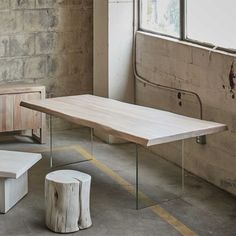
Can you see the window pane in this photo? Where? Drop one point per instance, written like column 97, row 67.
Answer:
column 212, row 21
column 162, row 16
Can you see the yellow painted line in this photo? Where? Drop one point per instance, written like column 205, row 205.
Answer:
column 46, row 149
column 158, row 210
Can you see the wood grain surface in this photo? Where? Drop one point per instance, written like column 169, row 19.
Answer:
column 13, row 117
column 138, row 124
column 14, row 164
column 14, row 88
column 67, row 198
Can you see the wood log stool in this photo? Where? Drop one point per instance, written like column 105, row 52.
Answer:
column 67, row 195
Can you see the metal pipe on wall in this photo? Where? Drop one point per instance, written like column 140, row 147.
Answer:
column 136, row 10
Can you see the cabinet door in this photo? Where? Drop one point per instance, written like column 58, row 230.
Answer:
column 6, row 113
column 25, row 118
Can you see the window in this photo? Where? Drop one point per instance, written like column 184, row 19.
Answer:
column 162, row 16
column 213, row 23
column 206, row 21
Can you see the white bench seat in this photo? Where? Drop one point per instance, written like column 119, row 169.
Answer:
column 14, row 168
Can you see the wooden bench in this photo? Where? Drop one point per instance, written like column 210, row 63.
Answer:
column 14, row 176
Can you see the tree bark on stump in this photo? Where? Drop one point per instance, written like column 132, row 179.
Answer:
column 67, row 195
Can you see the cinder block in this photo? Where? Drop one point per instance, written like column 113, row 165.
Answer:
column 58, row 65
column 16, row 69
column 47, row 3
column 35, row 67
column 4, row 70
column 4, row 4
column 11, row 21
column 40, row 20
column 22, row 4
column 4, row 46
column 22, row 45
column 49, row 42
column 64, row 3
column 11, row 69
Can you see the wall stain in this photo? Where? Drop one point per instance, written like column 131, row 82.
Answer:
column 232, row 76
column 179, row 96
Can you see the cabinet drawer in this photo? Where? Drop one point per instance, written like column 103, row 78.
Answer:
column 24, row 118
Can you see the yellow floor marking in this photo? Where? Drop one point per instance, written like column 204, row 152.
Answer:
column 158, row 210
column 46, row 149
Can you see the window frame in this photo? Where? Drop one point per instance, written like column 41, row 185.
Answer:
column 154, row 32
column 183, row 24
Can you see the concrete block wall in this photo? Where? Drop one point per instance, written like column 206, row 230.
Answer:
column 206, row 72
column 48, row 42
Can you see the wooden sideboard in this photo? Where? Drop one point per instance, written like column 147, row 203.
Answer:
column 13, row 117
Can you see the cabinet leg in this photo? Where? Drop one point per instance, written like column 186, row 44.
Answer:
column 40, row 137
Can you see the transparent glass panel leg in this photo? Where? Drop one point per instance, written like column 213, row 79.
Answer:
column 137, row 177
column 183, row 171
column 50, row 141
column 91, row 141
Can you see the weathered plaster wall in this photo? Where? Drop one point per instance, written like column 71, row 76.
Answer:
column 48, row 42
column 194, row 68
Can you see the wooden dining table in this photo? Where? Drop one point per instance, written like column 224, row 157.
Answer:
column 138, row 124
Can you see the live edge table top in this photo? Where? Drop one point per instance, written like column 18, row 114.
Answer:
column 138, row 124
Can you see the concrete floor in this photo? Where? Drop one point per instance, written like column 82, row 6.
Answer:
column 202, row 210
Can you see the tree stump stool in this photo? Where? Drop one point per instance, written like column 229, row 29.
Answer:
column 67, row 195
